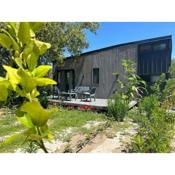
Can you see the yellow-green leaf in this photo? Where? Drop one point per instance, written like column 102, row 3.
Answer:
column 24, row 32
column 26, row 121
column 36, row 25
column 3, row 89
column 13, row 27
column 41, row 47
column 19, row 62
column 41, row 71
column 27, row 82
column 5, row 41
column 13, row 43
column 38, row 114
column 46, row 132
column 12, row 75
column 45, row 81
column 35, row 93
column 32, row 61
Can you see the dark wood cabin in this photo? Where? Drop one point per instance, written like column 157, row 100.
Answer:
column 96, row 68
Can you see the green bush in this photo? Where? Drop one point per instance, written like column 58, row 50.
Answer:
column 154, row 134
column 148, row 105
column 117, row 107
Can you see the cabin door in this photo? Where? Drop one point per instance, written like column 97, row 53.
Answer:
column 67, row 78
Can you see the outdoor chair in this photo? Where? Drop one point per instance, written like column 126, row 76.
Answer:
column 90, row 94
column 79, row 90
column 55, row 93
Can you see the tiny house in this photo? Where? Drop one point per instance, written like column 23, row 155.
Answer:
column 96, row 68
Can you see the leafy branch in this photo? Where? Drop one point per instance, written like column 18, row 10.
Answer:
column 24, row 78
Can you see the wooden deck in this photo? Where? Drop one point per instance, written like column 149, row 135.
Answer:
column 98, row 104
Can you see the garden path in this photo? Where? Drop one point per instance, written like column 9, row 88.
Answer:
column 102, row 144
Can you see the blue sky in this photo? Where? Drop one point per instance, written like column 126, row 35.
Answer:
column 112, row 33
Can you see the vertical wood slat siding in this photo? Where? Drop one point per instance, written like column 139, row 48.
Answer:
column 154, row 61
column 108, row 62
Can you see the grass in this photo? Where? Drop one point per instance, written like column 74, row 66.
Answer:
column 117, row 127
column 13, row 142
column 61, row 120
column 8, row 123
column 73, row 118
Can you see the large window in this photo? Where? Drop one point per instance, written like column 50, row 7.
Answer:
column 161, row 46
column 145, row 48
column 95, row 76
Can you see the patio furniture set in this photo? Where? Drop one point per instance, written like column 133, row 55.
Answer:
column 84, row 93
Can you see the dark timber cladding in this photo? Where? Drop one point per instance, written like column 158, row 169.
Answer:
column 96, row 68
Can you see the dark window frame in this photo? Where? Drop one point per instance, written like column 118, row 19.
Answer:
column 97, row 81
column 160, row 46
column 146, row 48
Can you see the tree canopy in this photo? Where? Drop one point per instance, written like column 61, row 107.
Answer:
column 69, row 37
column 65, row 37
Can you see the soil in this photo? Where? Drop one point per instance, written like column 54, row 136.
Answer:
column 102, row 144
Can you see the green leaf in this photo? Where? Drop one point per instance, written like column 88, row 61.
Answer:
column 5, row 41
column 35, row 93
column 2, row 79
column 13, row 27
column 38, row 114
column 46, row 132
column 3, row 89
column 41, row 47
column 22, row 93
column 19, row 62
column 24, row 32
column 8, row 40
column 32, row 61
column 27, row 82
column 26, row 121
column 45, row 81
column 36, row 25
column 12, row 75
column 28, row 50
column 11, row 138
column 41, row 71
column 32, row 135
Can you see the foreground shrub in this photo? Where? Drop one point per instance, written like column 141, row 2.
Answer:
column 25, row 77
column 117, row 107
column 155, row 132
column 148, row 105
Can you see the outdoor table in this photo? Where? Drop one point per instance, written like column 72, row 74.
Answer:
column 68, row 95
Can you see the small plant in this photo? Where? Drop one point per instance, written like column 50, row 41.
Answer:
column 68, row 149
column 67, row 138
column 154, row 134
column 158, row 87
column 148, row 104
column 117, row 107
column 132, row 86
column 32, row 147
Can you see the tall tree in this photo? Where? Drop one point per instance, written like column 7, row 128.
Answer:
column 69, row 37
column 64, row 37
